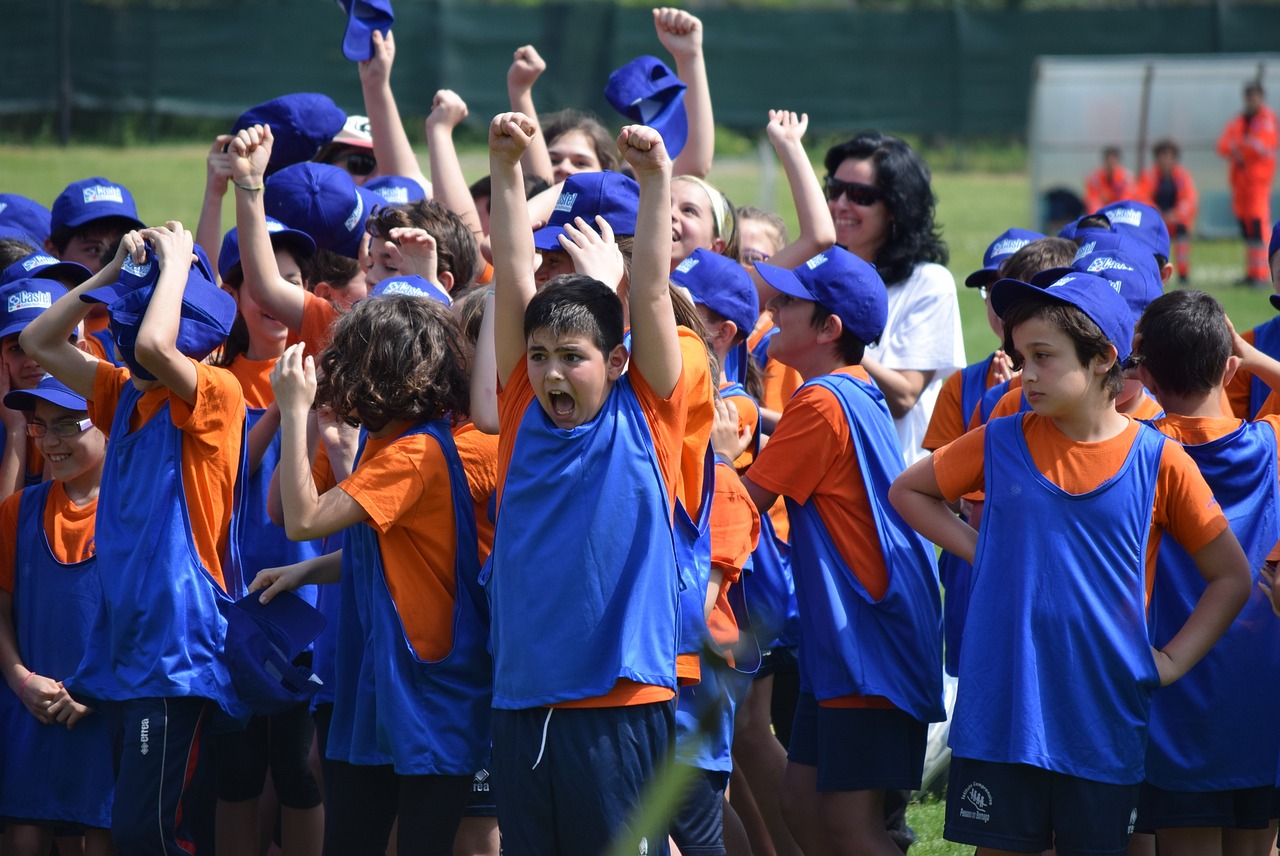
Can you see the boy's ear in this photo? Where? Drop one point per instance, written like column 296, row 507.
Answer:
column 830, row 330
column 323, row 290
column 616, row 361
column 446, row 279
column 1102, row 363
column 1166, row 273
column 1233, row 365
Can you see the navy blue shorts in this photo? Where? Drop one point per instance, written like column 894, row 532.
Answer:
column 1030, row 809
column 484, row 796
column 1242, row 808
column 571, row 777
column 858, row 749
column 698, row 826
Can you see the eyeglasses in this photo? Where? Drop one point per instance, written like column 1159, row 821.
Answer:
column 983, row 291
column 858, row 193
column 750, row 257
column 66, row 428
column 356, row 163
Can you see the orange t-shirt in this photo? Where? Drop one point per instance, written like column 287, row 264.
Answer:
column 68, row 528
column 254, row 377
column 212, row 428
column 1184, row 505
column 735, row 529
column 947, row 422
column 665, row 418
column 318, row 316
column 811, row 456
column 479, row 454
column 402, row 483
column 1144, row 407
column 748, row 419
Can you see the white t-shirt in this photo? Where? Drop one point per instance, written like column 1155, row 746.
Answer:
column 922, row 333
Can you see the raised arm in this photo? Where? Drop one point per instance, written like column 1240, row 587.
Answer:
column 484, row 374
column 681, row 33
column 250, row 151
column 526, row 67
column 655, row 344
column 156, row 347
column 391, row 146
column 217, row 177
column 451, row 191
column 511, row 236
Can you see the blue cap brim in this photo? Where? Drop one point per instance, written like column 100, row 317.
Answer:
column 25, row 399
column 1006, row 292
column 979, row 278
column 784, row 280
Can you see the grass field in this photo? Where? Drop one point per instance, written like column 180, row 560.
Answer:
column 973, row 208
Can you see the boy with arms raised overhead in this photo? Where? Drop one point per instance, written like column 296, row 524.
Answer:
column 579, row 729
column 1056, row 672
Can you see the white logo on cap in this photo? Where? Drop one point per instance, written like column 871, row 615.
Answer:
column 38, row 261
column 3, row 205
column 687, row 265
column 565, row 203
column 1127, row 216
column 275, row 226
column 394, row 195
column 1008, row 246
column 1084, row 250
column 1063, row 281
column 103, row 193
column 29, row 300
column 819, row 259
column 351, row 222
column 401, row 287
column 1105, row 263
column 132, row 267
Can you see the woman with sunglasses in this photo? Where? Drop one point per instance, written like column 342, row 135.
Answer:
column 880, row 198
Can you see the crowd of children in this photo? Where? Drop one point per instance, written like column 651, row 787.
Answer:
column 579, row 511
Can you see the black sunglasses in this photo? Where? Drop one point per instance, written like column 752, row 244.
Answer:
column 356, row 163
column 858, row 193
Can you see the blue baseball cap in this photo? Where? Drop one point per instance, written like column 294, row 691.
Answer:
column 1274, row 244
column 297, row 243
column 1093, row 295
column 999, row 251
column 363, row 17
column 410, row 286
column 396, row 189
column 300, row 124
column 720, row 284
column 22, row 300
column 1134, row 275
column 24, row 219
column 646, row 91
column 45, row 266
column 49, row 389
column 842, row 283
column 93, row 199
column 1139, row 221
column 132, row 277
column 324, row 202
column 263, row 640
column 612, row 195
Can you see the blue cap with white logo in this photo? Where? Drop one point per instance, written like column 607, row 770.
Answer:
column 22, row 300
column 324, row 202
column 1095, row 296
column 93, row 199
column 45, row 266
column 410, row 286
column 722, row 285
column 297, row 243
column 612, row 195
column 842, row 283
column 998, row 252
column 1139, row 221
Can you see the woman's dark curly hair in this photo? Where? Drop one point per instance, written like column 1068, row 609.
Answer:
column 394, row 358
column 903, row 179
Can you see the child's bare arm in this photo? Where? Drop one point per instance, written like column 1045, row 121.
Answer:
column 655, row 344
column 156, row 347
column 918, row 498
column 681, row 33
column 1225, row 568
column 250, row 151
column 314, row 571
column 526, row 67
column 451, row 191
column 484, row 374
column 217, row 176
column 1252, row 360
column 307, row 513
column 817, row 229
column 511, row 235
column 391, row 146
column 48, row 338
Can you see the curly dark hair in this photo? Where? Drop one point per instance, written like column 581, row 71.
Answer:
column 903, row 179
column 456, row 250
column 395, row 358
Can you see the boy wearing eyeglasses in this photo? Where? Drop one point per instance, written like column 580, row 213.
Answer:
column 57, row 776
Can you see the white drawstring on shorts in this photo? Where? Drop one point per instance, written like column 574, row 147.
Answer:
column 543, row 746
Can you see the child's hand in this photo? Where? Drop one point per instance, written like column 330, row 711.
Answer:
column 75, row 712
column 728, row 437
column 594, row 254
column 218, row 166
column 679, row 31
column 293, row 380
column 38, row 694
column 172, row 245
column 641, row 146
column 132, row 246
column 509, row 135
column 447, row 110
column 1165, row 667
column 272, row 581
column 526, row 67
column 341, row 439
column 1240, row 347
column 376, row 70
column 14, row 421
column 249, row 153
column 1001, row 366
column 1267, row 582
column 785, row 127
column 413, row 252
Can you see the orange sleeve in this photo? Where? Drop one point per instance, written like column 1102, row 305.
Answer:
column 699, row 408
column 735, row 529
column 667, row 420
column 403, row 484
column 514, row 397
column 947, row 422
column 479, row 454
column 1185, row 506
column 9, row 537
column 108, row 382
column 318, row 316
column 748, row 422
column 958, row 466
